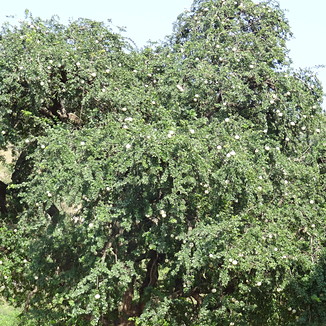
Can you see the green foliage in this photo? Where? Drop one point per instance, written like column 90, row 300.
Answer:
column 176, row 185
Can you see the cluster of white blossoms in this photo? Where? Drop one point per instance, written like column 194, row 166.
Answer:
column 292, row 310
column 162, row 213
column 128, row 146
column 232, row 153
column 170, row 133
column 233, row 261
column 77, row 219
column 279, row 113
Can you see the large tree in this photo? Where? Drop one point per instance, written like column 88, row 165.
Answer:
column 182, row 184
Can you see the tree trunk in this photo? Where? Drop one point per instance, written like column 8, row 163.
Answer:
column 3, row 190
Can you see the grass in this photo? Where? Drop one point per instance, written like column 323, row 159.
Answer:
column 8, row 315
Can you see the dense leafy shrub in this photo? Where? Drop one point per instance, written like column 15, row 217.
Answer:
column 176, row 185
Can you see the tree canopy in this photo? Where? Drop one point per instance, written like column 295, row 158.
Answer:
column 179, row 184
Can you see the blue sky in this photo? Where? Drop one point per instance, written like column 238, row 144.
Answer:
column 152, row 20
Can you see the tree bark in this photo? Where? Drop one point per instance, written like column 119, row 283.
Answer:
column 3, row 203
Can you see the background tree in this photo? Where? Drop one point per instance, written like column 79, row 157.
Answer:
column 182, row 184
